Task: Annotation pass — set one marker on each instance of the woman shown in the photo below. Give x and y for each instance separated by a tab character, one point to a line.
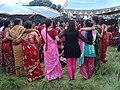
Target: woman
104	41
95	22
88	56
30	43
1	55
71	47
7	49
17	30
53	69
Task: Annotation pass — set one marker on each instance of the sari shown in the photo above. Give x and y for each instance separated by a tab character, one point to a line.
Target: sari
87	58
8	54
53	69
103	43
1	55
17	50
97	49
31	56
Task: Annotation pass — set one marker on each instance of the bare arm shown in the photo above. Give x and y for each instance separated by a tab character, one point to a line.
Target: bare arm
84	39
87	28
31	30
61	34
8	36
57	38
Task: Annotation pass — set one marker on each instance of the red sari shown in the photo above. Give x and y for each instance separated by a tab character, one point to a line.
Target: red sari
104	42
1	55
31	56
8	57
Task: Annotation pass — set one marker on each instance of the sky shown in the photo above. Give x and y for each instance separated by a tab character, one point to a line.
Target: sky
24	1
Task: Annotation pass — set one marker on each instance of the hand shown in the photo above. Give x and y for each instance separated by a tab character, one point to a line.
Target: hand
93	43
62	46
16	41
4	39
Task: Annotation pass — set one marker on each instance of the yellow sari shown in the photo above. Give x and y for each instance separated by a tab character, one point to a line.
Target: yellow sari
15	32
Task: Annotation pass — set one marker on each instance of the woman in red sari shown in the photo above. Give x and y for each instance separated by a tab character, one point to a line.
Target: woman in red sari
30	42
104	41
8	57
1	55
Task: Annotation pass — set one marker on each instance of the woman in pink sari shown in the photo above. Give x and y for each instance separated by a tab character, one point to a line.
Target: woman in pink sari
53	69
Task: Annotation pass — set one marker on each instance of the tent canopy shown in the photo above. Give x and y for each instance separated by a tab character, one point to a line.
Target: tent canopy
14	9
91	4
44	11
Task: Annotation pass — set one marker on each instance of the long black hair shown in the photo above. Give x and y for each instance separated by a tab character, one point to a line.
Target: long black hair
28	24
47	24
6	24
96	19
17	21
89	33
1	23
71	25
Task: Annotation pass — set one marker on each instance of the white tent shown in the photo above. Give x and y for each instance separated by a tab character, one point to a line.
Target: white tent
44	11
14	9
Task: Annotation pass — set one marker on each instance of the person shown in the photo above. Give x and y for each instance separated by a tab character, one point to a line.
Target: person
40	27
7	49
88	56
30	43
95	22
118	48
71	47
17	48
104	41
1	55
53	69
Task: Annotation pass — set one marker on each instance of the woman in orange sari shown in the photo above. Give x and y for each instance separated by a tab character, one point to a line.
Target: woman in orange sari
17	30
30	43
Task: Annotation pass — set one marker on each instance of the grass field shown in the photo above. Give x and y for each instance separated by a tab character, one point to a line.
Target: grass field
107	78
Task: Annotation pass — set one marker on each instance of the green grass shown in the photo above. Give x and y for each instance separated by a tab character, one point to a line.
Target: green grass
107	79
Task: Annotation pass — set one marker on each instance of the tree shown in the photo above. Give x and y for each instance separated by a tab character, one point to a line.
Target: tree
45	3
53	6
58	7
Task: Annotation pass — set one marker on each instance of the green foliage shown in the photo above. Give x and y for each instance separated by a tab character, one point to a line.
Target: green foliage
45	3
106	79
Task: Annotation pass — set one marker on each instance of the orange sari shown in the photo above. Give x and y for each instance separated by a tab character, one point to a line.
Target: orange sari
17	50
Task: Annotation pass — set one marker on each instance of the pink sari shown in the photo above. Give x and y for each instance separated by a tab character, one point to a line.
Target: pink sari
53	69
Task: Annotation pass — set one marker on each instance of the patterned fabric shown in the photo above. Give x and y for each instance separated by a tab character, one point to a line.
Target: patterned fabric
8	54
97	50
53	69
17	50
31	56
103	43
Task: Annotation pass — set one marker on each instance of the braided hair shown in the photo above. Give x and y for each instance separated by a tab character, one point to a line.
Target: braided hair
47	24
89	33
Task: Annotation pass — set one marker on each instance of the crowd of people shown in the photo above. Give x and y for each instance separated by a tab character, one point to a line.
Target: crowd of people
23	46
